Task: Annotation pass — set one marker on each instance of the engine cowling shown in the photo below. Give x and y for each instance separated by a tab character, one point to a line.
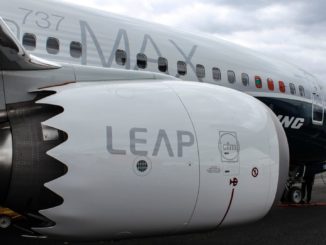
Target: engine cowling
107	160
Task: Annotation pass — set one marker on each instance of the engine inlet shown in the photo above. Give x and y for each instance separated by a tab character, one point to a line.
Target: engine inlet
25	166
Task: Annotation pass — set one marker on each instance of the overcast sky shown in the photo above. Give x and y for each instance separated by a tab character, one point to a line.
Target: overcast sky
292	30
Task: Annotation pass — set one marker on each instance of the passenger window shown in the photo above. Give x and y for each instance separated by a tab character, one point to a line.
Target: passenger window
292	88
52	45
216	74
245	79
270	84
141	61
162	64
231	76
182	68
200	71
76	49
281	86
301	91
120	57
29	41
258	82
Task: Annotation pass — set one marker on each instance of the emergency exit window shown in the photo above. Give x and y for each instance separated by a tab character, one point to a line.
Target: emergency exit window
258	82
270	84
281	86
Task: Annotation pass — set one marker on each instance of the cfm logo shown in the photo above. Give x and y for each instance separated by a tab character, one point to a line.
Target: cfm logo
291	122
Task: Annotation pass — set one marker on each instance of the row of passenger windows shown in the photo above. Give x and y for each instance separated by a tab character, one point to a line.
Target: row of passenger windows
121	58
53	47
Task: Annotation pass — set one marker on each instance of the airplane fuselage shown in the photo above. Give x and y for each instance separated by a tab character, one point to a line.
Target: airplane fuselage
137	129
90	37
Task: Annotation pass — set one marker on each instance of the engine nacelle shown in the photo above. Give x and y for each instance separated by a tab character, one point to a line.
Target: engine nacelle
124	159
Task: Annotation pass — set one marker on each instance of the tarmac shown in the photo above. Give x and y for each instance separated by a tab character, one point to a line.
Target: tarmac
285	224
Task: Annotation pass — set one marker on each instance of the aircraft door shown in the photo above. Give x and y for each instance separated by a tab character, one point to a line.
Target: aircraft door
317	106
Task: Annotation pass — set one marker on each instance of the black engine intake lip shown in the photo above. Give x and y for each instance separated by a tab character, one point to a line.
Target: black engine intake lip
32	167
6	156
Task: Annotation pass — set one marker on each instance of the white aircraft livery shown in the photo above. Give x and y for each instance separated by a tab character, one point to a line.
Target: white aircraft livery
113	128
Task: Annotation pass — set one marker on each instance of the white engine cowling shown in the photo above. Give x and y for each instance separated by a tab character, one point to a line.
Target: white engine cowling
148	158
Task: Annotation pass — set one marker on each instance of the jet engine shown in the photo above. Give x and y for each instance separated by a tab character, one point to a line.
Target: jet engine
91	153
96	160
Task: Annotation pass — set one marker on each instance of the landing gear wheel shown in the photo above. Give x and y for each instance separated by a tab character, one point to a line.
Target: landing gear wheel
295	195
5	221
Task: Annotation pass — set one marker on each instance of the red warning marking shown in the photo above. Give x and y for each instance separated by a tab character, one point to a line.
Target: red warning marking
255	172
234	182
228	209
